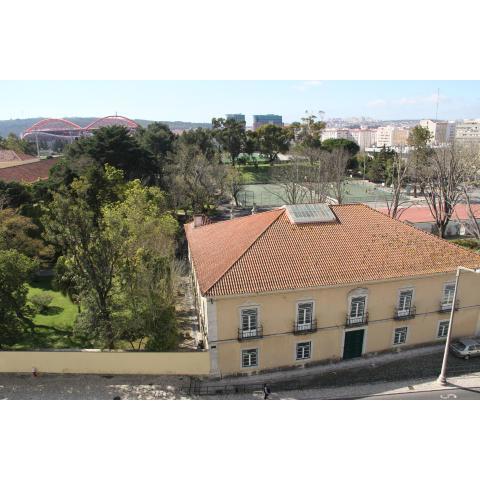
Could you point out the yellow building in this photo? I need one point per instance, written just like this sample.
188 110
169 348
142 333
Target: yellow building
312 283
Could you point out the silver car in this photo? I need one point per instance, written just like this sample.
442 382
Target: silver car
466 348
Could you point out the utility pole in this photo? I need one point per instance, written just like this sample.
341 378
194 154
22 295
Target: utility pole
438 99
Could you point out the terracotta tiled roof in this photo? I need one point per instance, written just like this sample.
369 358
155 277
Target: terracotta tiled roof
28 173
12 156
423 214
266 252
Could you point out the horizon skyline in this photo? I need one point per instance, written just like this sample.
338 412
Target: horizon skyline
199 101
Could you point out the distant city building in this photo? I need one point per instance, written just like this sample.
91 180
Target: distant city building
270 119
238 117
384 137
391 136
400 136
364 137
334 133
468 132
438 130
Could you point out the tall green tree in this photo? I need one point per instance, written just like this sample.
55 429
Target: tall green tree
158 140
343 143
115 146
15 314
200 139
307 133
19 233
231 136
111 235
272 140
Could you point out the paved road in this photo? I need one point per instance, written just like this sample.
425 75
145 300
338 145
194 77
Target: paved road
447 394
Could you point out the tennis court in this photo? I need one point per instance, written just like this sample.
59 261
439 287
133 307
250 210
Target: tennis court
272 195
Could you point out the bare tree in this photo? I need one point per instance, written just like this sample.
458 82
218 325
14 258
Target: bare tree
234 183
303 179
471 160
444 181
400 167
334 167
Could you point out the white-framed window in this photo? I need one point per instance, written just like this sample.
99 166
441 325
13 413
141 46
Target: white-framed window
250 358
405 300
400 335
249 321
448 292
304 315
357 308
303 350
443 329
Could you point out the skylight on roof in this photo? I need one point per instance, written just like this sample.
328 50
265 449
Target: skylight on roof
310 213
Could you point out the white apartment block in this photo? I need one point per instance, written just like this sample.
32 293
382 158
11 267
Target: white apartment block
329 133
437 129
364 137
468 132
391 136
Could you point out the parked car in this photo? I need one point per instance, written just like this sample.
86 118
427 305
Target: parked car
466 348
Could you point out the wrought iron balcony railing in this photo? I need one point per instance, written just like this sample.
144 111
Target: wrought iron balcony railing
404 313
352 321
304 328
251 333
447 306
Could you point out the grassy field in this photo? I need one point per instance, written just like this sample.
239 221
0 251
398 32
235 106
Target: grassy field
55 326
260 174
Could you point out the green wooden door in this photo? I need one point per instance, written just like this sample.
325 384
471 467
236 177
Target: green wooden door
353 344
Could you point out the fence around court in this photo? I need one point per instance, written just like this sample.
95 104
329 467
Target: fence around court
106 362
273 195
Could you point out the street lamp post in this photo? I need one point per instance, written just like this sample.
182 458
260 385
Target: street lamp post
442 378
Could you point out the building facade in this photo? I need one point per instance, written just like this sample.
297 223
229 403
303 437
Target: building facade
364 137
270 119
334 133
468 132
293 292
238 117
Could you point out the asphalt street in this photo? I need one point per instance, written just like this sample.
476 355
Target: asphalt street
461 393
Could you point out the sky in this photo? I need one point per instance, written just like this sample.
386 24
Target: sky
200 100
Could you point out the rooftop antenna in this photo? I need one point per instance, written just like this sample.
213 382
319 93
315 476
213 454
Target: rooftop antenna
436 108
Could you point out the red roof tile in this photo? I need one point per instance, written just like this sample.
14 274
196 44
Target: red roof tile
423 215
12 156
28 173
266 252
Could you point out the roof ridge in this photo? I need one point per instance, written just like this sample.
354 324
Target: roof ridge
280 212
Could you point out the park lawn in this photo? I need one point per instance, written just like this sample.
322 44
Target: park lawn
55 327
61 312
260 174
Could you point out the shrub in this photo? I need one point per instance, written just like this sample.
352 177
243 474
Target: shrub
471 243
41 301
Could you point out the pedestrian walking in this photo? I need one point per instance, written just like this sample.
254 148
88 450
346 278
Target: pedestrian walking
266 391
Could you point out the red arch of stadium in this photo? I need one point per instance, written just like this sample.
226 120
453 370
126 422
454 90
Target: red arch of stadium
59 127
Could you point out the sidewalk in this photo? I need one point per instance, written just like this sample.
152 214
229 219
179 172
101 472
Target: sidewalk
398 369
365 391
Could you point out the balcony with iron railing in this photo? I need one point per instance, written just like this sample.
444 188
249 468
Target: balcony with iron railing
404 313
304 328
356 321
446 307
244 334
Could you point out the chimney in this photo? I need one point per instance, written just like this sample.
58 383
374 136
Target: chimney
197 221
254 209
